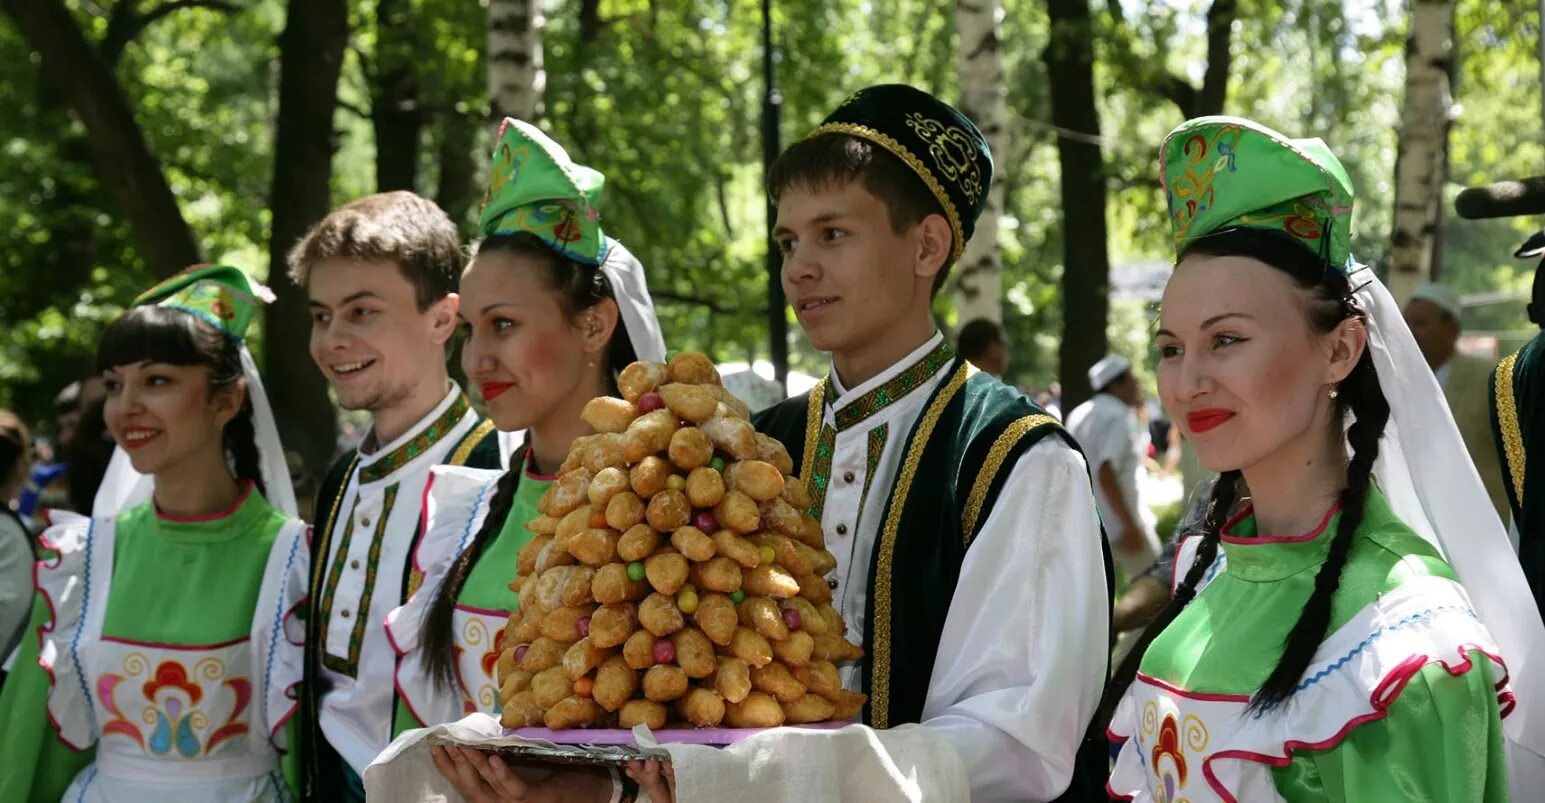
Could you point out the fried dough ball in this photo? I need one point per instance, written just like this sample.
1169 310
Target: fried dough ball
808 708
623 511
613 585
785 550
758 710
822 561
717 574
834 623
514 681
525 560
741 550
606 414
664 683
764 616
690 448
595 547
782 517
542 525
796 649
547 592
732 435
716 616
668 510
693 543
667 572
551 685
553 555
642 712
607 483
705 487
542 654
638 542
691 368
638 650
649 434
775 679
796 493
820 677
732 679
814 589
528 626
659 615
694 652
576 586
770 581
611 625
563 624
729 404
570 491
702 708
812 535
520 711
738 512
615 682
575 521
756 479
639 378
769 450
583 657
506 665
595 452
573 711
810 619
649 476
836 649
688 402
751 647
849 704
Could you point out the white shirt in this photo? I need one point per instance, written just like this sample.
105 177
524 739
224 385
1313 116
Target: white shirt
372 535
1021 659
1109 432
1443 372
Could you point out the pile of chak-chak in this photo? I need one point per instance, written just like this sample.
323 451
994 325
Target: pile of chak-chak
675 578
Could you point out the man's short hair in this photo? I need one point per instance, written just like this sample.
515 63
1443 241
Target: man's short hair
978 336
397 227
834 160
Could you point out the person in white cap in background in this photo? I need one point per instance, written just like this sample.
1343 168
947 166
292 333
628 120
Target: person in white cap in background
1433 314
1114 441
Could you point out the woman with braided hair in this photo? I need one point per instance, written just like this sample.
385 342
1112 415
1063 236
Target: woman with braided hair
553 310
1341 627
165 653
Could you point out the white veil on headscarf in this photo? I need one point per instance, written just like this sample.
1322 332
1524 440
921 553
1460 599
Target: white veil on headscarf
1432 485
625 274
122 487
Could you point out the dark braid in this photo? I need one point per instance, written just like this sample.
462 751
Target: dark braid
1225 492
439 632
241 445
1360 395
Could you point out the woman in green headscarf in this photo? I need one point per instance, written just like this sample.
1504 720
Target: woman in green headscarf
1335 649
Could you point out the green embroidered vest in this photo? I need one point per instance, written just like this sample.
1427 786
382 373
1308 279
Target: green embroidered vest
1517 393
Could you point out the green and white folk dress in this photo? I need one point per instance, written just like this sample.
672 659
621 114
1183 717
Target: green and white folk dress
166 661
1403 701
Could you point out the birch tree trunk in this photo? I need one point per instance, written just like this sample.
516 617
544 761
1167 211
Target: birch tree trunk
1421 160
515 77
978 285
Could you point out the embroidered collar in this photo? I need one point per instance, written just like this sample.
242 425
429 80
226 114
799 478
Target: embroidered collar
853 407
431 430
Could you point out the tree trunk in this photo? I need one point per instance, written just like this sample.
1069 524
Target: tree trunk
311 55
395 102
515 77
127 166
1069 58
458 168
978 286
1152 75
1421 158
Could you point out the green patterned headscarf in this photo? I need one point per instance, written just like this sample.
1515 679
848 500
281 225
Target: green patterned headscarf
220 295
535 187
1229 172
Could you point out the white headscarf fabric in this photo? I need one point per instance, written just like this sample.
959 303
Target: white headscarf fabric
1426 473
626 275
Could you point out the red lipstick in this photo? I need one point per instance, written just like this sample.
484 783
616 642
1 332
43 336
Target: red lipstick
1212 418
493 390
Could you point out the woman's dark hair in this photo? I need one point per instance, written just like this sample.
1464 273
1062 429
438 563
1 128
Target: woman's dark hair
174 337
579 287
14 443
1359 394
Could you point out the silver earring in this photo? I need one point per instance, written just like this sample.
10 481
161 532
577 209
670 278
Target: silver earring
1334 393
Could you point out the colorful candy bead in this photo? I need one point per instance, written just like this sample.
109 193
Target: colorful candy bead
598 519
717 463
585 686
768 555
583 626
676 482
636 572
649 402
738 596
792 618
706 521
664 652
520 653
686 600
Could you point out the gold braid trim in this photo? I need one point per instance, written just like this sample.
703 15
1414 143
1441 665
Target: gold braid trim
813 418
1507 418
995 457
900 152
319 566
473 438
880 666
